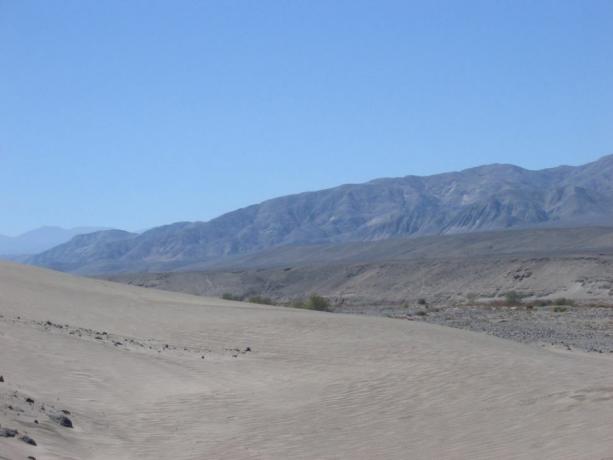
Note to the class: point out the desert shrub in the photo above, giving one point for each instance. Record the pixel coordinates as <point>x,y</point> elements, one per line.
<point>559,309</point>
<point>471,297</point>
<point>314,302</point>
<point>230,296</point>
<point>421,313</point>
<point>261,300</point>
<point>421,301</point>
<point>512,298</point>
<point>297,303</point>
<point>317,302</point>
<point>563,301</point>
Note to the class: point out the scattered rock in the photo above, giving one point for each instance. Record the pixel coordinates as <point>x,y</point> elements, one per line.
<point>8,433</point>
<point>31,457</point>
<point>64,411</point>
<point>1,379</point>
<point>28,440</point>
<point>247,349</point>
<point>61,420</point>
<point>29,400</point>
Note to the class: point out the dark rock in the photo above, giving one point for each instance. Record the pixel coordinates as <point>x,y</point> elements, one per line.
<point>61,420</point>
<point>29,400</point>
<point>64,411</point>
<point>8,433</point>
<point>1,379</point>
<point>28,440</point>
<point>247,349</point>
<point>31,458</point>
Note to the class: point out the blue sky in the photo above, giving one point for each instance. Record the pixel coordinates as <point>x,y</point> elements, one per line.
<point>138,113</point>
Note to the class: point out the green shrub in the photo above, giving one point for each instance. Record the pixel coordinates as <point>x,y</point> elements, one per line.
<point>230,296</point>
<point>559,309</point>
<point>261,300</point>
<point>317,302</point>
<point>512,298</point>
<point>563,301</point>
<point>297,303</point>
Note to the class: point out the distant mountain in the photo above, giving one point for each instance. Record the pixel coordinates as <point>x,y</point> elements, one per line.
<point>40,239</point>
<point>490,197</point>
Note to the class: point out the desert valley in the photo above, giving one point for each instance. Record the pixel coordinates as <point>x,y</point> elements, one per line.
<point>306,230</point>
<point>224,356</point>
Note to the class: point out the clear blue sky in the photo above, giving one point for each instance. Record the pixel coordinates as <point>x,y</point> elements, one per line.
<point>138,113</point>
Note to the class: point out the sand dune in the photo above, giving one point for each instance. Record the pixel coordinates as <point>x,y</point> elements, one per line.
<point>147,374</point>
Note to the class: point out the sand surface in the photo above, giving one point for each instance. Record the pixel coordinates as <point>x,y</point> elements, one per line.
<point>148,374</point>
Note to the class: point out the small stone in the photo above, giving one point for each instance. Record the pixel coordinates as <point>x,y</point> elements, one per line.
<point>61,420</point>
<point>28,440</point>
<point>31,457</point>
<point>1,379</point>
<point>29,400</point>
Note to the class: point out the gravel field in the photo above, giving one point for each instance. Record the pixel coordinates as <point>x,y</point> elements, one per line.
<point>582,328</point>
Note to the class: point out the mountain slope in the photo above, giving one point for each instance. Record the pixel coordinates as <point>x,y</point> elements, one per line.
<point>484,198</point>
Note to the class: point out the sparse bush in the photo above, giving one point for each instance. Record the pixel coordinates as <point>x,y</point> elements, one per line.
<point>297,303</point>
<point>421,301</point>
<point>261,300</point>
<point>559,309</point>
<point>471,297</point>
<point>230,296</point>
<point>512,298</point>
<point>563,301</point>
<point>317,302</point>
<point>421,313</point>
<point>314,302</point>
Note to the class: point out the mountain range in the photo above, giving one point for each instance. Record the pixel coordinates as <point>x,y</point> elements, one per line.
<point>490,197</point>
<point>40,239</point>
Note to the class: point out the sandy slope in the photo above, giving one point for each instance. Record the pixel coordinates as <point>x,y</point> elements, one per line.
<point>313,386</point>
